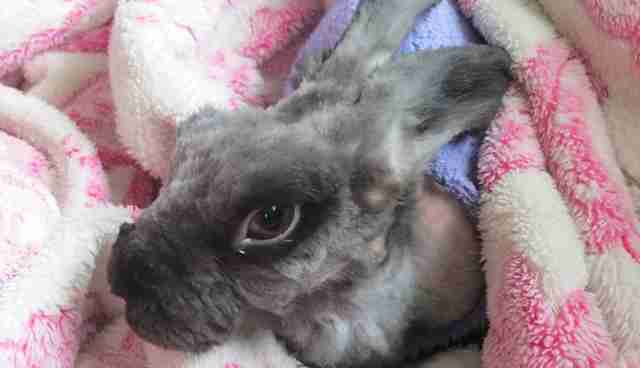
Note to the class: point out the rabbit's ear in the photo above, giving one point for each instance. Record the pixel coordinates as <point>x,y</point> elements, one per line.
<point>375,31</point>
<point>421,102</point>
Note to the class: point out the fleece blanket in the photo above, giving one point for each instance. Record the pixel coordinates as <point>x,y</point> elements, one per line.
<point>558,169</point>
<point>91,92</point>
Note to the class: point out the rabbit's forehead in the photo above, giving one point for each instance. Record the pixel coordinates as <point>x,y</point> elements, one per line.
<point>247,172</point>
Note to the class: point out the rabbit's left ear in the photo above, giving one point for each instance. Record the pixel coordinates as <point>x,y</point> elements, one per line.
<point>376,29</point>
<point>420,102</point>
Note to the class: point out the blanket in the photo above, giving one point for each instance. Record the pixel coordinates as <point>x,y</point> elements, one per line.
<point>91,92</point>
<point>560,228</point>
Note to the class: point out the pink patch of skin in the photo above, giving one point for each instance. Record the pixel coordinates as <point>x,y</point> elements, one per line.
<point>49,340</point>
<point>528,331</point>
<point>620,19</point>
<point>510,145</point>
<point>232,365</point>
<point>45,39</point>
<point>596,202</point>
<point>273,29</point>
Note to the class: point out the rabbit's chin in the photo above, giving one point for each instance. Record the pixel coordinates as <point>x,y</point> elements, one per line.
<point>151,324</point>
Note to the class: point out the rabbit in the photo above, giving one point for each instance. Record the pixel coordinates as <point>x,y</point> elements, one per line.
<point>311,217</point>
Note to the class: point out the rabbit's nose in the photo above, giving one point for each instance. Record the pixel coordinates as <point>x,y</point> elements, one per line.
<point>128,271</point>
<point>118,276</point>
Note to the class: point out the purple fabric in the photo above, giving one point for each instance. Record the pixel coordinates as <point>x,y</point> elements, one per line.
<point>324,37</point>
<point>454,167</point>
<point>442,26</point>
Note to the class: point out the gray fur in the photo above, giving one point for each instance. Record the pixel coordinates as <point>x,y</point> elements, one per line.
<point>356,285</point>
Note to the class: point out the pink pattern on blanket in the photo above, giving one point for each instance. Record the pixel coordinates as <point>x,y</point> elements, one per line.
<point>273,29</point>
<point>618,18</point>
<point>466,6</point>
<point>529,330</point>
<point>16,261</point>
<point>511,143</point>
<point>26,159</point>
<point>91,108</point>
<point>49,340</point>
<point>94,40</point>
<point>96,189</point>
<point>242,79</point>
<point>560,95</point>
<point>11,60</point>
<point>239,73</point>
<point>28,207</point>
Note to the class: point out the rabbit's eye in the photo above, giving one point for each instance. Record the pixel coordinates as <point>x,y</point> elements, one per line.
<point>268,223</point>
<point>268,226</point>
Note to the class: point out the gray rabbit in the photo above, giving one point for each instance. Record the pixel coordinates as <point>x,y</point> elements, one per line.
<point>308,217</point>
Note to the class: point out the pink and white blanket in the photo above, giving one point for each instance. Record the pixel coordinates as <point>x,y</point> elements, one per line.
<point>560,226</point>
<point>90,93</point>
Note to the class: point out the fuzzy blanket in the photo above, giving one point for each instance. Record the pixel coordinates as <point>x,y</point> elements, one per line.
<point>560,227</point>
<point>91,92</point>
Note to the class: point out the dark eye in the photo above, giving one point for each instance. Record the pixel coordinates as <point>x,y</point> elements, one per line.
<point>268,223</point>
<point>268,226</point>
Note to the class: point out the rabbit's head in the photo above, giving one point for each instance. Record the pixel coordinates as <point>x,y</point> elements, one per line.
<point>268,213</point>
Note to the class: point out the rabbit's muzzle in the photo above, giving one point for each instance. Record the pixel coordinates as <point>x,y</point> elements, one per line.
<point>169,303</point>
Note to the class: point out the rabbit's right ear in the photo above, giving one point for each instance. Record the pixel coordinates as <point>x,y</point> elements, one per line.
<point>374,34</point>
